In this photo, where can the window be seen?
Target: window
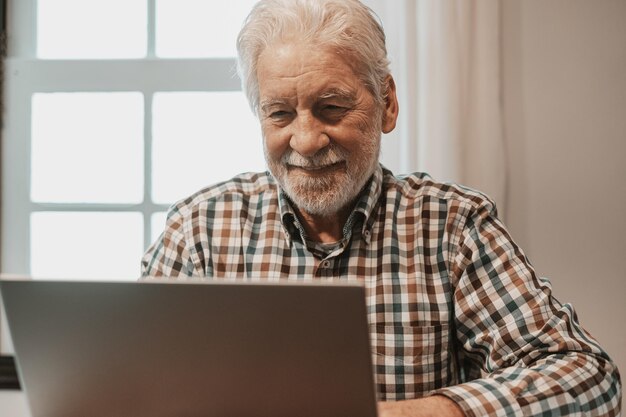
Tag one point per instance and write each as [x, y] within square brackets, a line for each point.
[115, 109]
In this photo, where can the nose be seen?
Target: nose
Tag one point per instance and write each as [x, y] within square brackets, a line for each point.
[308, 136]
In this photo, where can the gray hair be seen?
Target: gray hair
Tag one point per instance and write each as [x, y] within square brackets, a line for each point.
[348, 26]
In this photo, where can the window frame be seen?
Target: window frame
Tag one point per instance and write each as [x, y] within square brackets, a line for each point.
[26, 75]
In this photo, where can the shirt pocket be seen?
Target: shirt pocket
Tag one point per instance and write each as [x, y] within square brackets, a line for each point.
[410, 361]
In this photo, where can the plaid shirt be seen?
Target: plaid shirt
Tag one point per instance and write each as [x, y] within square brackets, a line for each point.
[453, 304]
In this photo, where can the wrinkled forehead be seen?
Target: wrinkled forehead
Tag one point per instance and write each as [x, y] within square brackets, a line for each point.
[291, 69]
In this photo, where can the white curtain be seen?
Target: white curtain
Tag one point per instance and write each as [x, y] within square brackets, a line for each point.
[446, 60]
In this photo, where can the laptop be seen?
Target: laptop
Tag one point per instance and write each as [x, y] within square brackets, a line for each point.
[194, 348]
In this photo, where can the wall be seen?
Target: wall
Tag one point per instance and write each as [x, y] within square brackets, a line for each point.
[565, 112]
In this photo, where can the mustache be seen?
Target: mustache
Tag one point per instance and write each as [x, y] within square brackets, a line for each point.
[327, 156]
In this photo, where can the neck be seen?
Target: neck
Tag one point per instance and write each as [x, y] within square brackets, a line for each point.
[324, 229]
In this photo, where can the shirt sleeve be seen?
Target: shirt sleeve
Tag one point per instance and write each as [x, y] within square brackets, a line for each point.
[169, 255]
[520, 351]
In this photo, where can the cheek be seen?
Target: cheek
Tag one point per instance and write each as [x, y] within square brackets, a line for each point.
[366, 121]
[275, 143]
[351, 136]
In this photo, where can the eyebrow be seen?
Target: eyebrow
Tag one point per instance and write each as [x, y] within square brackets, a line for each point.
[338, 93]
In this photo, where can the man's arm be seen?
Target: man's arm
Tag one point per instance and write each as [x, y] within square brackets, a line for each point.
[434, 406]
[169, 256]
[520, 351]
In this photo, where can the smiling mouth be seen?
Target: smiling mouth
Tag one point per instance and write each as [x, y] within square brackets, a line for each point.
[318, 169]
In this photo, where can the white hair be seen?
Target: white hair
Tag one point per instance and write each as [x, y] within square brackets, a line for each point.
[348, 26]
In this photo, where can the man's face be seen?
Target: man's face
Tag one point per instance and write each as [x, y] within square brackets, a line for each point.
[321, 126]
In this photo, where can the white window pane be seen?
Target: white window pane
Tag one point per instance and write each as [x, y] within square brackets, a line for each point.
[86, 245]
[92, 29]
[157, 223]
[199, 28]
[200, 139]
[87, 147]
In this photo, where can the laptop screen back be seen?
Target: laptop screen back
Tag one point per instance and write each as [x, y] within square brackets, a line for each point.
[216, 348]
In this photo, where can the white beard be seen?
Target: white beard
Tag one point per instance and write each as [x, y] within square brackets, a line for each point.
[326, 195]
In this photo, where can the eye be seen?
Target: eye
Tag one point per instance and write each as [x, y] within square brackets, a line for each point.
[332, 112]
[279, 114]
[333, 108]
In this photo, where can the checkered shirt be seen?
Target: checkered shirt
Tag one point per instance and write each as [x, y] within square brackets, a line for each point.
[454, 306]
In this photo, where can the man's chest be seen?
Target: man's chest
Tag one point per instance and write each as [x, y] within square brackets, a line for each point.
[408, 298]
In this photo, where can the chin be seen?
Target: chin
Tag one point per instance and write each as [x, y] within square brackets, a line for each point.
[320, 198]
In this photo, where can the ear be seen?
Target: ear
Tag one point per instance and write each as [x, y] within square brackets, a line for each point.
[390, 112]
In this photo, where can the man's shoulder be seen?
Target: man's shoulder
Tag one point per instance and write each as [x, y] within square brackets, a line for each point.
[243, 187]
[420, 185]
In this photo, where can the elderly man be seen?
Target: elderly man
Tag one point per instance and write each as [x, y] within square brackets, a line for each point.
[460, 322]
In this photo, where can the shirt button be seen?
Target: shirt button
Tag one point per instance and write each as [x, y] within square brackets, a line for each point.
[367, 233]
[325, 264]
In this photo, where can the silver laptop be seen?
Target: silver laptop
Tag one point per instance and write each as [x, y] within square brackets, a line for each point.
[216, 348]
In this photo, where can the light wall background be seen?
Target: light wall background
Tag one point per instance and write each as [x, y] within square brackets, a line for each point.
[564, 99]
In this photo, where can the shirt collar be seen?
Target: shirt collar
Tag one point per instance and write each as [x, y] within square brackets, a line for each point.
[288, 217]
[368, 198]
